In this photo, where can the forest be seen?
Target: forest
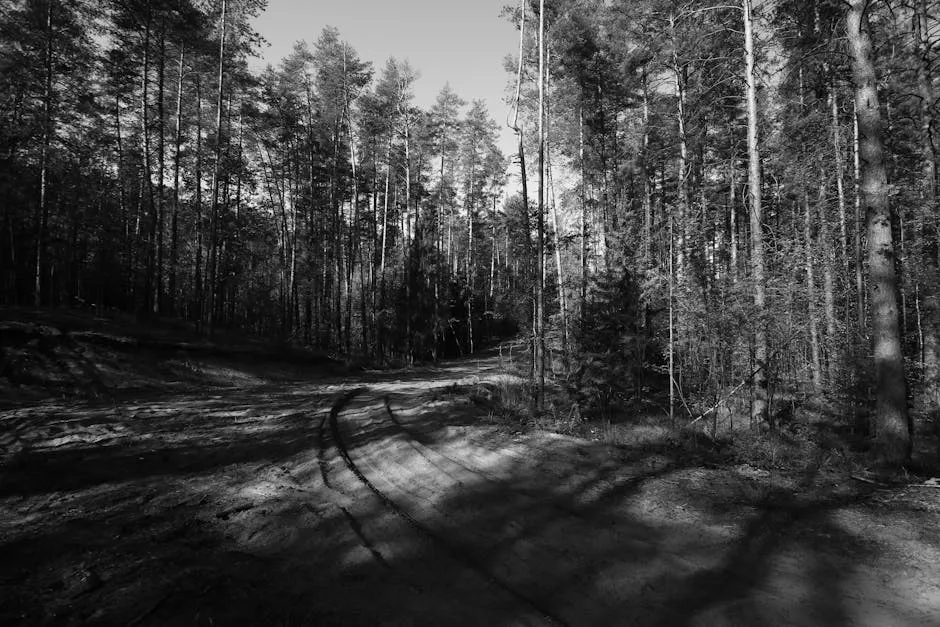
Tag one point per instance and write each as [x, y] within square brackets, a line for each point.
[716, 210]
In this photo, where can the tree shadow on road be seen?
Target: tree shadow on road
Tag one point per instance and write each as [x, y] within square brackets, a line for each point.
[215, 511]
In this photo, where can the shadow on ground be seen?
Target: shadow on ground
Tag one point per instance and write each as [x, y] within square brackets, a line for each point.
[238, 509]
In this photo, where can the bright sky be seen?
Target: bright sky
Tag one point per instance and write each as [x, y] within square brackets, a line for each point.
[462, 42]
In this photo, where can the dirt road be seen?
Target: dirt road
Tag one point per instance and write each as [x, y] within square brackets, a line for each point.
[391, 500]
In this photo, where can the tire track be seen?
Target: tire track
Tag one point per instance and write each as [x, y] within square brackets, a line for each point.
[460, 556]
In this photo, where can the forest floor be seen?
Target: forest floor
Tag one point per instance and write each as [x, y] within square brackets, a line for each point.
[202, 485]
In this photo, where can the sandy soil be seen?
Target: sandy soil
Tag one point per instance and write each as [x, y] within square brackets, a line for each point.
[391, 499]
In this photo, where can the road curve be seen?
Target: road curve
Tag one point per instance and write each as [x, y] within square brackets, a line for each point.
[542, 529]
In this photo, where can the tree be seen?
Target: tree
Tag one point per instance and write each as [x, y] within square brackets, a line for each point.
[890, 424]
[759, 402]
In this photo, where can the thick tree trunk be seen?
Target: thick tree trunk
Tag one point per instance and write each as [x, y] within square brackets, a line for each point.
[759, 409]
[890, 423]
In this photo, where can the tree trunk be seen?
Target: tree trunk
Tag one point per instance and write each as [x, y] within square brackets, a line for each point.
[890, 423]
[840, 173]
[682, 167]
[828, 268]
[644, 172]
[556, 226]
[931, 232]
[197, 265]
[811, 314]
[583, 200]
[540, 224]
[759, 409]
[42, 210]
[161, 171]
[148, 171]
[859, 274]
[209, 305]
[174, 222]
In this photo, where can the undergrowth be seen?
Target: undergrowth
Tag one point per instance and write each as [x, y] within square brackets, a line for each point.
[809, 436]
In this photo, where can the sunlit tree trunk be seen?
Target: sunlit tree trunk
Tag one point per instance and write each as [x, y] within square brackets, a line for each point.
[859, 272]
[556, 223]
[161, 172]
[812, 318]
[540, 222]
[840, 175]
[174, 222]
[582, 192]
[733, 217]
[890, 424]
[759, 407]
[644, 172]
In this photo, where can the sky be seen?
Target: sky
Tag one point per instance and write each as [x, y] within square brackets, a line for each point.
[461, 42]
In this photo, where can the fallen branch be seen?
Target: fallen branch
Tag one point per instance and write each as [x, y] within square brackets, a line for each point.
[722, 400]
[744, 381]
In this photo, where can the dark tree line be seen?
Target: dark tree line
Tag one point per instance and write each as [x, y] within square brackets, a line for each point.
[146, 168]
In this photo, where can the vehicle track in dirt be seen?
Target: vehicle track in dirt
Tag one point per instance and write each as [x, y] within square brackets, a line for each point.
[458, 554]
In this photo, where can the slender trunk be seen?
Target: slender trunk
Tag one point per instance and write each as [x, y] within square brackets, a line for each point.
[682, 166]
[828, 267]
[161, 172]
[197, 272]
[890, 425]
[125, 218]
[840, 174]
[582, 193]
[523, 179]
[209, 305]
[857, 168]
[42, 210]
[644, 172]
[759, 408]
[733, 217]
[672, 322]
[148, 171]
[174, 224]
[540, 225]
[931, 227]
[409, 244]
[556, 223]
[812, 316]
[388, 178]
